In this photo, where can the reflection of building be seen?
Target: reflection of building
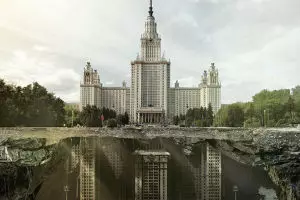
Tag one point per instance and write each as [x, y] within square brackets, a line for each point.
[88, 182]
[151, 175]
[143, 175]
[75, 156]
[112, 150]
[113, 161]
[200, 174]
[150, 97]
[211, 173]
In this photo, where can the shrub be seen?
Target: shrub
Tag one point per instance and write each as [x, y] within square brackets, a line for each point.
[112, 123]
[252, 123]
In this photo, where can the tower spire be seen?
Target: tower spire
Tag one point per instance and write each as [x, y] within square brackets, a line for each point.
[151, 9]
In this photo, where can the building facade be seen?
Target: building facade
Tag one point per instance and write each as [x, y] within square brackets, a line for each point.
[90, 88]
[151, 175]
[89, 185]
[211, 173]
[200, 174]
[150, 98]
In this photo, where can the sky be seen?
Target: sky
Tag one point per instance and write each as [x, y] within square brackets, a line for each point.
[254, 43]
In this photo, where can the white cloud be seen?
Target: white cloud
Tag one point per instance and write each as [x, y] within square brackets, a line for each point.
[25, 68]
[109, 82]
[187, 82]
[254, 44]
[40, 48]
[261, 1]
[184, 19]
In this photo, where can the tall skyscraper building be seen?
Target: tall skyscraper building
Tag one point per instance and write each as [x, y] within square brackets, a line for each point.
[150, 77]
[151, 175]
[150, 98]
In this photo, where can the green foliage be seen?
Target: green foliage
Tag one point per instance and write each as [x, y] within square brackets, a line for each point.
[112, 123]
[210, 116]
[182, 117]
[189, 121]
[252, 123]
[272, 102]
[201, 117]
[290, 105]
[269, 108]
[90, 116]
[72, 116]
[250, 112]
[29, 106]
[221, 117]
[296, 93]
[230, 115]
[126, 118]
[108, 113]
[176, 120]
[123, 119]
[235, 116]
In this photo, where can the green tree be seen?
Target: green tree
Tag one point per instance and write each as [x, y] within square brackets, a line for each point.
[29, 106]
[108, 113]
[71, 116]
[112, 123]
[296, 93]
[235, 116]
[221, 117]
[120, 119]
[199, 116]
[273, 102]
[126, 118]
[182, 117]
[290, 105]
[90, 116]
[176, 120]
[250, 112]
[210, 115]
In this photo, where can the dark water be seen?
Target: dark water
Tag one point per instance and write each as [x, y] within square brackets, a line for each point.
[110, 168]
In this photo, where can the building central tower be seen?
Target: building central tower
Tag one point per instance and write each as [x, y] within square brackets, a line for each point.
[150, 78]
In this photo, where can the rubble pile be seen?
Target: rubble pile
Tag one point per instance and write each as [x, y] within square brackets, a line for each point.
[32, 153]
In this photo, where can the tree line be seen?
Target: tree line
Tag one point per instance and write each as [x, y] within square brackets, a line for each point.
[34, 106]
[277, 108]
[200, 117]
[91, 116]
[31, 105]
